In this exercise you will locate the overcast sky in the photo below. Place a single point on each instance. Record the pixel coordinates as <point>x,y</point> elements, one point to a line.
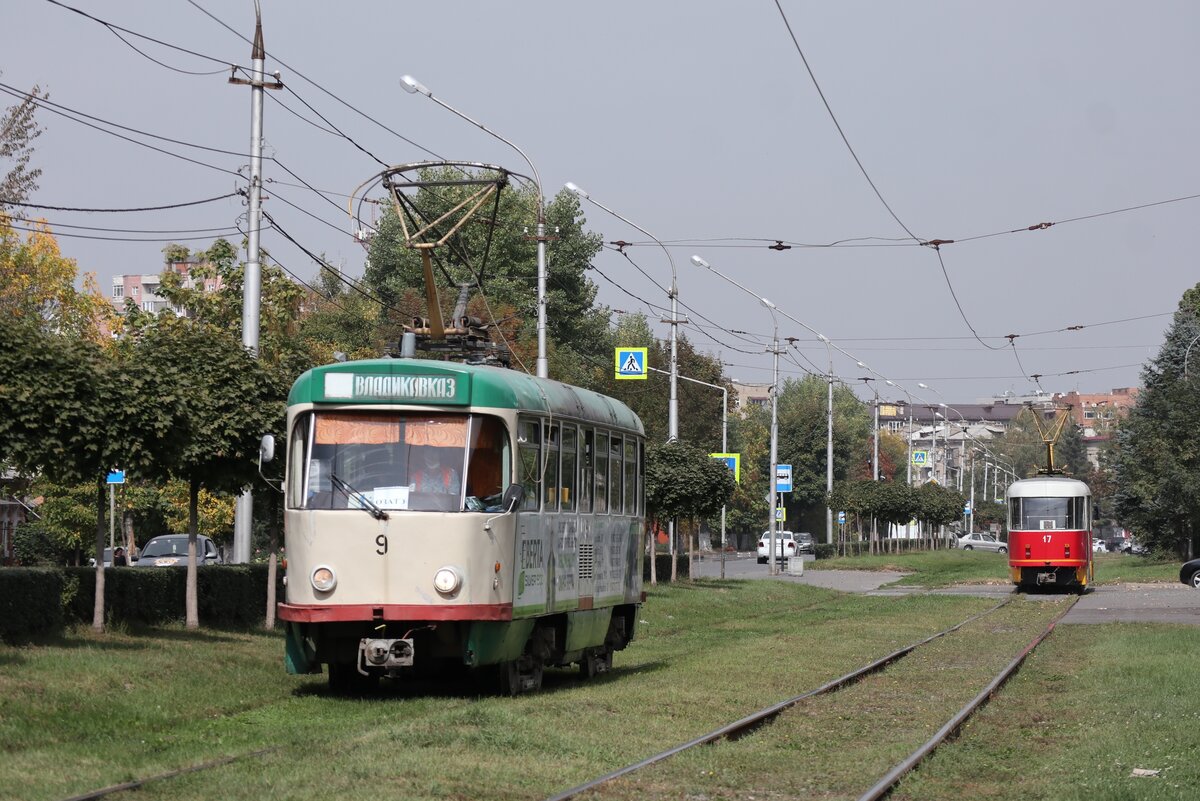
<point>698,121</point>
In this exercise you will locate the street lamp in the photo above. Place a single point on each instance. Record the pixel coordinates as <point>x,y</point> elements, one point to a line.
<point>772,496</point>
<point>412,86</point>
<point>874,450</point>
<point>828,444</point>
<point>673,293</point>
<point>1187,353</point>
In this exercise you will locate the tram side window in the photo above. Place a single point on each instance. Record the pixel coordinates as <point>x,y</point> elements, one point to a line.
<point>586,470</point>
<point>295,454</point>
<point>641,498</point>
<point>487,464</point>
<point>601,505</point>
<point>616,474</point>
<point>569,465</point>
<point>529,451</point>
<point>631,477</point>
<point>1014,514</point>
<point>1079,512</point>
<point>550,471</point>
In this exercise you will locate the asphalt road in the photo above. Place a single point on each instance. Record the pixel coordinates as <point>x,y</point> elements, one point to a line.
<point>1110,603</point>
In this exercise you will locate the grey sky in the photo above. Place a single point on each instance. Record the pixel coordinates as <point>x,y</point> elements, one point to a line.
<point>698,121</point>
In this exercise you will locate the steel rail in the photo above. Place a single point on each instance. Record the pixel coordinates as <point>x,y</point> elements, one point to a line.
<point>138,783</point>
<point>760,717</point>
<point>885,785</point>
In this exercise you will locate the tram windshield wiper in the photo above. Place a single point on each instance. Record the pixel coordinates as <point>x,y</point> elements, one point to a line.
<point>367,505</point>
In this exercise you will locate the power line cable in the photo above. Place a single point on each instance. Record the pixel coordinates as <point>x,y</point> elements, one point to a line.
<point>8,202</point>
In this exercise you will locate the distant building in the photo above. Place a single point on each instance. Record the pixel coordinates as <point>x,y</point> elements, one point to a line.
<point>1097,415</point>
<point>747,396</point>
<point>143,289</point>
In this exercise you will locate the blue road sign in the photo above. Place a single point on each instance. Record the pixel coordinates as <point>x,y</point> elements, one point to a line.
<point>116,477</point>
<point>841,517</point>
<point>783,478</point>
<point>920,457</point>
<point>630,363</point>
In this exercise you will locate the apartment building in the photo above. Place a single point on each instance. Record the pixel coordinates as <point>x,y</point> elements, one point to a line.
<point>143,289</point>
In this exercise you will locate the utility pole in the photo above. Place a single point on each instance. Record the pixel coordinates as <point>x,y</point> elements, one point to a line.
<point>252,281</point>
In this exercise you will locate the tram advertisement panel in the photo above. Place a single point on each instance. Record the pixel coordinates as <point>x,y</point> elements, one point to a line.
<point>530,590</point>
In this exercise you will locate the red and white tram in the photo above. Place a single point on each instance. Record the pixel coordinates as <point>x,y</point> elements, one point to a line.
<point>1050,532</point>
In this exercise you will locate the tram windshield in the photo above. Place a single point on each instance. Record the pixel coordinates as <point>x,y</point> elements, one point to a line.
<point>417,461</point>
<point>1039,514</point>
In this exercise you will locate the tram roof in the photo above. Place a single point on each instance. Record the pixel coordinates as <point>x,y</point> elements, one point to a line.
<point>1048,487</point>
<point>424,382</point>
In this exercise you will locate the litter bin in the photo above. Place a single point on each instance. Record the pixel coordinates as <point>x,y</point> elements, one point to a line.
<point>795,566</point>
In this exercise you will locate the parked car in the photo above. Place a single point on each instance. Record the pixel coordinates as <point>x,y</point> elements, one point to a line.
<point>108,552</point>
<point>171,550</point>
<point>1098,546</point>
<point>982,541</point>
<point>804,542</point>
<point>1190,573</point>
<point>785,545</point>
<point>1135,548</point>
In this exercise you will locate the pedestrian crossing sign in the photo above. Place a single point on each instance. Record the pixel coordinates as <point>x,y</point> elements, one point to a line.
<point>920,458</point>
<point>630,363</point>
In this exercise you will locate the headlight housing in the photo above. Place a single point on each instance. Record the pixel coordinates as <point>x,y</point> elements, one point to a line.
<point>323,578</point>
<point>447,580</point>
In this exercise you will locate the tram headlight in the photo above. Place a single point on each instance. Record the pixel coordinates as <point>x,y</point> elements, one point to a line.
<point>323,578</point>
<point>447,580</point>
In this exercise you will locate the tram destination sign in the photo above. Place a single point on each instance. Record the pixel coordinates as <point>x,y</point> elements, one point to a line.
<point>448,389</point>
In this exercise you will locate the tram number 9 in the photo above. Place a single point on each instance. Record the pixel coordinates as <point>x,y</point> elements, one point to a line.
<point>381,541</point>
<point>1045,537</point>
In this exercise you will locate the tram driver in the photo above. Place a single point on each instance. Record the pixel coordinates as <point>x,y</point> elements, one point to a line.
<point>434,472</point>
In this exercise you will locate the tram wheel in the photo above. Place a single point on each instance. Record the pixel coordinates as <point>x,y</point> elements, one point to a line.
<point>519,675</point>
<point>596,662</point>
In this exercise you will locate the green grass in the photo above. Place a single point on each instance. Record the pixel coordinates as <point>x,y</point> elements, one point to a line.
<point>944,568</point>
<point>1092,704</point>
<point>89,711</point>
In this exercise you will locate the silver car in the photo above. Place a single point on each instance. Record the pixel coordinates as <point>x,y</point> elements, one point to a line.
<point>170,550</point>
<point>982,541</point>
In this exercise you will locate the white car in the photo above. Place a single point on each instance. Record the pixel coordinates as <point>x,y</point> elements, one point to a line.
<point>1098,546</point>
<point>785,546</point>
<point>982,541</point>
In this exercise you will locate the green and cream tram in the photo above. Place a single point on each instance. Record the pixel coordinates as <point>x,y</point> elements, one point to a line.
<point>444,515</point>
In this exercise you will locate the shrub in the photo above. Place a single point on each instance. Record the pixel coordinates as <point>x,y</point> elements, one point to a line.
<point>31,602</point>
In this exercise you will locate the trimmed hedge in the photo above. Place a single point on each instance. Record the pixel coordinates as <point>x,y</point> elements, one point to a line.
<point>38,601</point>
<point>31,602</point>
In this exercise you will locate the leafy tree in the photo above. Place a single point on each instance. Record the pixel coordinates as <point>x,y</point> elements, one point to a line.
<point>337,318</point>
<point>509,276</point>
<point>63,400</point>
<point>1155,463</point>
<point>682,481</point>
<point>224,401</point>
<point>803,432</point>
<point>938,505</point>
<point>1070,452</point>
<point>38,282</point>
<point>18,129</point>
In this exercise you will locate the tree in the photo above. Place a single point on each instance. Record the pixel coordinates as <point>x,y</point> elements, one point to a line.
<point>62,399</point>
<point>1155,462</point>
<point>938,506</point>
<point>395,275</point>
<point>803,432</point>
<point>225,401</point>
<point>37,282</point>
<point>682,481</point>
<point>18,129</point>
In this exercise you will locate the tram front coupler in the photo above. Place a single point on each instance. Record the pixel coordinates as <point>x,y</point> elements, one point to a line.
<point>383,653</point>
<point>1049,577</point>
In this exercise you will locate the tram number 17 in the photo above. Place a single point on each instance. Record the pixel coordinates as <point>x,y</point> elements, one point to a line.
<point>1045,538</point>
<point>381,541</point>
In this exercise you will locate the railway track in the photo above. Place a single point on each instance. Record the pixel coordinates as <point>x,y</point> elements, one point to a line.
<point>732,731</point>
<point>881,788</point>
